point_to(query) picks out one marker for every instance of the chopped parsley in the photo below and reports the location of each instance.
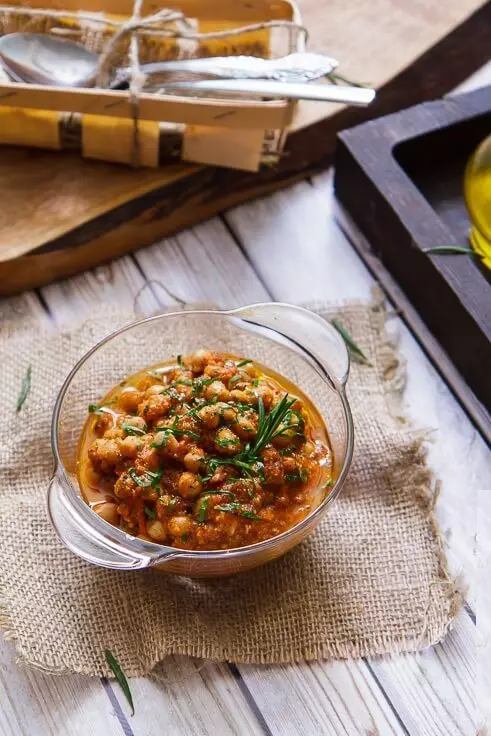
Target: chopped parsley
(149, 479)
(237, 508)
(149, 513)
(132, 430)
(203, 507)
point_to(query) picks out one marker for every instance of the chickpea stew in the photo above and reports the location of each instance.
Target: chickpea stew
(208, 452)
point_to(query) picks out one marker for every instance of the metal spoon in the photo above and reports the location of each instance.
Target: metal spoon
(43, 59)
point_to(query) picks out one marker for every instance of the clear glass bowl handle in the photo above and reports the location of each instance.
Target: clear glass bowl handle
(82, 536)
(319, 339)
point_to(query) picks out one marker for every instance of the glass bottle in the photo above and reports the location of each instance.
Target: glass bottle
(477, 193)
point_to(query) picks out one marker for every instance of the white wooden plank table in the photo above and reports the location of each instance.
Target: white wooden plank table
(286, 247)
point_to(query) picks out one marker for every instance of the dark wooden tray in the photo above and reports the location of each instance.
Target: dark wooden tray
(400, 179)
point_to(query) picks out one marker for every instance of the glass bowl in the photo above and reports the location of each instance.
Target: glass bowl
(293, 341)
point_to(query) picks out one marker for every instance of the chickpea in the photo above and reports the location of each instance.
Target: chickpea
(289, 465)
(156, 530)
(286, 438)
(267, 514)
(129, 398)
(218, 389)
(250, 370)
(228, 412)
(137, 422)
(108, 511)
(245, 428)
(154, 390)
(226, 442)
(114, 433)
(182, 392)
(244, 397)
(221, 474)
(155, 407)
(129, 446)
(147, 459)
(104, 454)
(124, 486)
(273, 466)
(210, 416)
(189, 485)
(309, 448)
(170, 444)
(266, 393)
(193, 460)
(103, 422)
(198, 360)
(222, 372)
(179, 525)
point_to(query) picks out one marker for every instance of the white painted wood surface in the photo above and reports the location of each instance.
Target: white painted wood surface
(291, 248)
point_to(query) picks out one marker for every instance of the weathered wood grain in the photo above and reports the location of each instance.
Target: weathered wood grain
(316, 698)
(446, 675)
(35, 704)
(205, 264)
(295, 268)
(456, 450)
(32, 702)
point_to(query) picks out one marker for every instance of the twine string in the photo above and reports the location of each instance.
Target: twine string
(156, 24)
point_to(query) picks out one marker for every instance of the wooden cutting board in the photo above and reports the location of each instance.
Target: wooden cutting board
(61, 214)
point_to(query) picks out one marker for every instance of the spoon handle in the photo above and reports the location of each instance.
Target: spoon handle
(318, 92)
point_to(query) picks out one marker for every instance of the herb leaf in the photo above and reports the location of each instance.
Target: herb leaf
(355, 350)
(149, 512)
(250, 515)
(147, 480)
(243, 362)
(24, 389)
(448, 250)
(120, 677)
(131, 430)
(176, 432)
(203, 507)
(268, 425)
(154, 374)
(98, 409)
(236, 507)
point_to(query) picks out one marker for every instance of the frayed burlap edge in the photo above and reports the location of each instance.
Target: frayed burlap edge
(418, 478)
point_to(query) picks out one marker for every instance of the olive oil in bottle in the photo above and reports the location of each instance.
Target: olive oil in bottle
(477, 193)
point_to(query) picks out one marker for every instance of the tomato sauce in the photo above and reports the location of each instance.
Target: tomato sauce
(210, 451)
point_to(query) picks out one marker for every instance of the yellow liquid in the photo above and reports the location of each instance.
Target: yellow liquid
(477, 192)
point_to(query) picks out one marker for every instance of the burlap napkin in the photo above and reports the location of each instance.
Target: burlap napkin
(371, 580)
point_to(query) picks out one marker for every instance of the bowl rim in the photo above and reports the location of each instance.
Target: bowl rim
(152, 548)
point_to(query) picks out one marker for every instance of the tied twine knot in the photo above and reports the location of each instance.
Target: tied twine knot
(137, 78)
